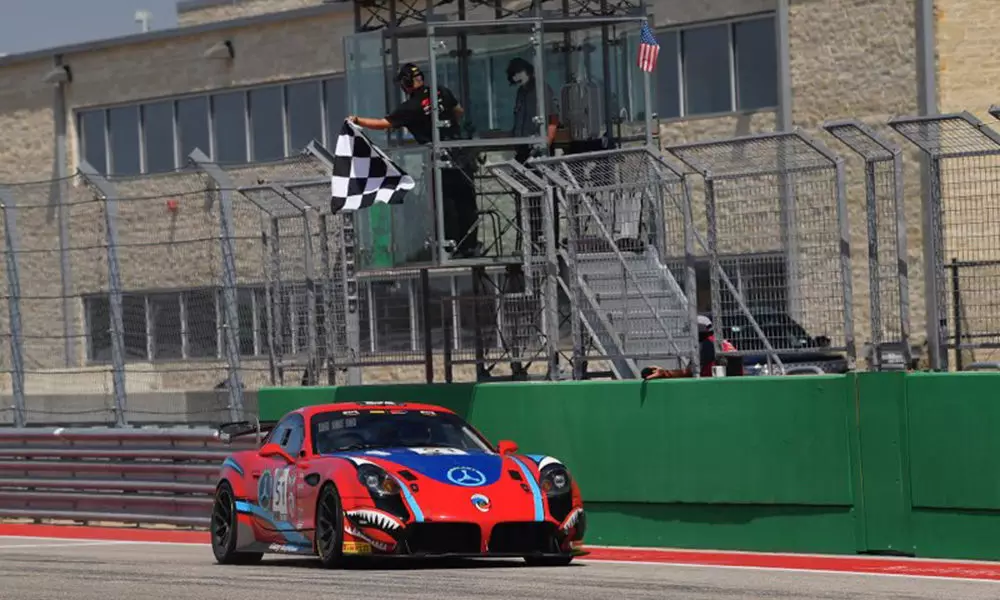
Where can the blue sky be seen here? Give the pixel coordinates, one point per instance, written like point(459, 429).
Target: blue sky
point(27, 25)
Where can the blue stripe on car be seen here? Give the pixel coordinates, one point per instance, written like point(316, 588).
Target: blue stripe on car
point(284, 528)
point(229, 462)
point(536, 492)
point(418, 515)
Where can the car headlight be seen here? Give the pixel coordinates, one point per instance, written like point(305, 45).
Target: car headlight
point(555, 480)
point(377, 480)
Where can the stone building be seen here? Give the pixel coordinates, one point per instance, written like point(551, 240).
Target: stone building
point(251, 81)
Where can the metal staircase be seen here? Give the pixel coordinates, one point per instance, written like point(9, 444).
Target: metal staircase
point(628, 308)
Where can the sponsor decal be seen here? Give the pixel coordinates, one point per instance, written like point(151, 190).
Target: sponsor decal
point(288, 549)
point(381, 546)
point(379, 403)
point(378, 453)
point(439, 451)
point(481, 502)
point(357, 548)
point(466, 476)
point(264, 490)
point(428, 413)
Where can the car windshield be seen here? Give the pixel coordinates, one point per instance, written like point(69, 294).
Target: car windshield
point(347, 430)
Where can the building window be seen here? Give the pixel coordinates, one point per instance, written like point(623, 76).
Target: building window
point(335, 100)
point(305, 115)
point(756, 64)
point(707, 70)
point(123, 137)
point(184, 324)
point(158, 137)
point(229, 128)
point(94, 143)
point(233, 127)
point(192, 127)
point(267, 131)
point(716, 69)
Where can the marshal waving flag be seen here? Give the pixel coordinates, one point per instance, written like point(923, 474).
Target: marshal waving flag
point(363, 174)
point(649, 49)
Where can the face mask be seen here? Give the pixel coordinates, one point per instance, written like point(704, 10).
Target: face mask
point(520, 78)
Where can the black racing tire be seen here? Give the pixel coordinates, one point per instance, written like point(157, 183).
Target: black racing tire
point(223, 529)
point(548, 561)
point(329, 527)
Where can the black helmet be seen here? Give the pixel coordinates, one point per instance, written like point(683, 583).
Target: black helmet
point(516, 65)
point(407, 73)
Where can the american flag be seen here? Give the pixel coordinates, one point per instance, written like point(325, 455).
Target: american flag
point(649, 49)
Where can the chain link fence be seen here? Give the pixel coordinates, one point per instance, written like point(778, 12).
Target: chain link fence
point(888, 273)
point(779, 245)
point(964, 157)
point(175, 296)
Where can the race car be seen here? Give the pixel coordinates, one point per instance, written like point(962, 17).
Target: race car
point(344, 480)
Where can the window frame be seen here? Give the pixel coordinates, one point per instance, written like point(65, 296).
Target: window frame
point(326, 135)
point(734, 107)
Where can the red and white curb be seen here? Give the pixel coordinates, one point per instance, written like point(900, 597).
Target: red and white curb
point(909, 567)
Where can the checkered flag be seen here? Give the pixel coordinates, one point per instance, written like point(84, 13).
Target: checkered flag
point(363, 174)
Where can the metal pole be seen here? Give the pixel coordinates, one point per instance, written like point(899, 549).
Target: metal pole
point(14, 305)
point(691, 277)
point(550, 295)
point(874, 274)
point(425, 299)
point(438, 195)
point(902, 258)
point(784, 68)
point(927, 105)
point(65, 270)
point(845, 263)
point(231, 318)
point(110, 197)
point(329, 322)
point(956, 301)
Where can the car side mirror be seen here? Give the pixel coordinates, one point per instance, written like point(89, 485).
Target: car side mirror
point(273, 449)
point(507, 447)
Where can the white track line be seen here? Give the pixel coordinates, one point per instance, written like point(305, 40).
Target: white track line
point(71, 542)
point(63, 544)
point(786, 570)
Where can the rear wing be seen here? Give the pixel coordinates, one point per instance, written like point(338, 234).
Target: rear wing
point(238, 429)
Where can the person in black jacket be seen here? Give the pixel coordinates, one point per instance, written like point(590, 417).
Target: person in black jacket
point(414, 114)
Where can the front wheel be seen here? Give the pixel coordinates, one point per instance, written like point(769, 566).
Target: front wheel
point(329, 527)
point(548, 561)
point(224, 524)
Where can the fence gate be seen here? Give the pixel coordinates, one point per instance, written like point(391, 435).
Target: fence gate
point(888, 275)
point(964, 236)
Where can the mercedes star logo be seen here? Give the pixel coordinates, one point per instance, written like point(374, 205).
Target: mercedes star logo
point(466, 476)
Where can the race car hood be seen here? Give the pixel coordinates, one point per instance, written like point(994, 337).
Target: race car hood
point(449, 466)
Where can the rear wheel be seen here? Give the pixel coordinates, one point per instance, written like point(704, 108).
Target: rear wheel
point(548, 561)
point(224, 524)
point(329, 527)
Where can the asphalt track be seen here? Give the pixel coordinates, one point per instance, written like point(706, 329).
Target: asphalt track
point(36, 568)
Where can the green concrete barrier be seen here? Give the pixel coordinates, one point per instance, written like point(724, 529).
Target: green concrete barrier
point(859, 463)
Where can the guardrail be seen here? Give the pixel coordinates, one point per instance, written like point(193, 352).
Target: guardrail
point(136, 476)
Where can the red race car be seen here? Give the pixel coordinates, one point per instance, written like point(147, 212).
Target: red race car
point(394, 479)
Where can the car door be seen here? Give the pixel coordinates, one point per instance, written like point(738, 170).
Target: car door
point(275, 481)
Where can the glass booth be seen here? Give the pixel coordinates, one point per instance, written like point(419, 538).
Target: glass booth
point(594, 89)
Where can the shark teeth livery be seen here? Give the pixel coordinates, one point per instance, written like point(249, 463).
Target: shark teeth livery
point(377, 518)
point(571, 519)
